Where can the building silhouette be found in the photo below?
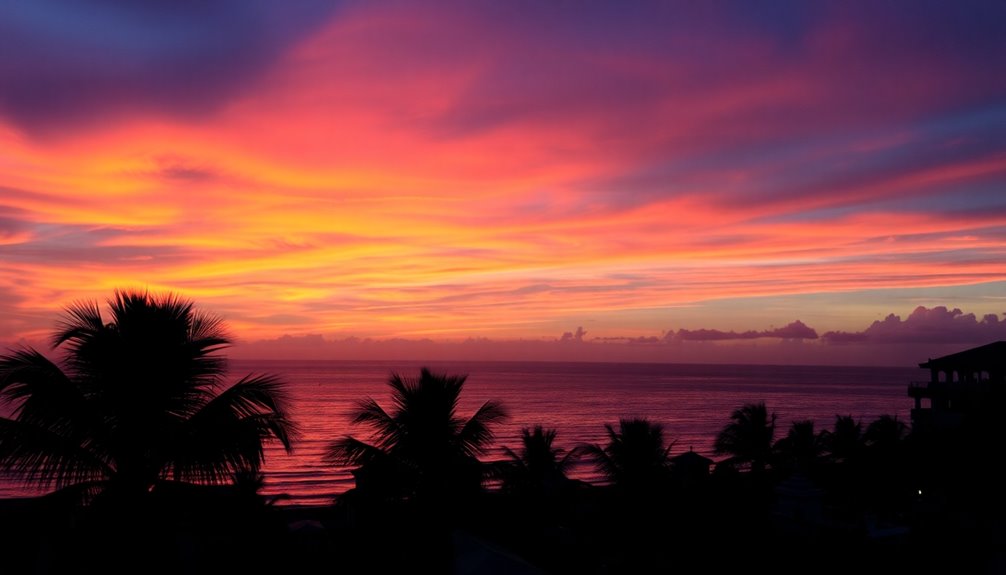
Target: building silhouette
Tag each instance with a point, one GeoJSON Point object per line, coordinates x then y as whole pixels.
{"type": "Point", "coordinates": [961, 386]}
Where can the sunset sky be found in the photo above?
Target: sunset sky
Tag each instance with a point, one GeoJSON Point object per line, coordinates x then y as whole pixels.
{"type": "Point", "coordinates": [647, 172]}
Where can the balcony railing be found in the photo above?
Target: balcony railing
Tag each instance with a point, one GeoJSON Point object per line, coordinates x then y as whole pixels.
{"type": "Point", "coordinates": [927, 388]}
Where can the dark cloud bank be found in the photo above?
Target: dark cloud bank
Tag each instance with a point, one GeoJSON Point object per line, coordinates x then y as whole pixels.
{"type": "Point", "coordinates": [893, 341]}
{"type": "Point", "coordinates": [936, 325]}
{"type": "Point", "coordinates": [64, 62]}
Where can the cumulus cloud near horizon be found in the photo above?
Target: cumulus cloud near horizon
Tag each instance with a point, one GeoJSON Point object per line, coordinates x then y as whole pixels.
{"type": "Point", "coordinates": [936, 325]}
{"type": "Point", "coordinates": [927, 325]}
{"type": "Point", "coordinates": [576, 336]}
{"type": "Point", "coordinates": [937, 328]}
{"type": "Point", "coordinates": [893, 341]}
{"type": "Point", "coordinates": [793, 330]}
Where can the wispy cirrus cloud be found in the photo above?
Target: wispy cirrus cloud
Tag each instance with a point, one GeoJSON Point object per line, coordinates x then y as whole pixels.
{"type": "Point", "coordinates": [453, 169]}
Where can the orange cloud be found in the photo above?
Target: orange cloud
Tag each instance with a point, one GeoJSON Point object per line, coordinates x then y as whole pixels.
{"type": "Point", "coordinates": [472, 179]}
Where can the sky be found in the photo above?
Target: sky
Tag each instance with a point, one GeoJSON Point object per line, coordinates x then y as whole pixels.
{"type": "Point", "coordinates": [735, 181]}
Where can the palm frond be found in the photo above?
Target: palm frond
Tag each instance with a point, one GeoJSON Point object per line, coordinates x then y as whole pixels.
{"type": "Point", "coordinates": [36, 392]}
{"type": "Point", "coordinates": [206, 337]}
{"type": "Point", "coordinates": [508, 471]}
{"type": "Point", "coordinates": [477, 433]}
{"type": "Point", "coordinates": [570, 458]}
{"type": "Point", "coordinates": [226, 434]}
{"type": "Point", "coordinates": [253, 397]}
{"type": "Point", "coordinates": [539, 466]}
{"type": "Point", "coordinates": [385, 427]}
{"type": "Point", "coordinates": [351, 451]}
{"type": "Point", "coordinates": [26, 371]}
{"type": "Point", "coordinates": [215, 454]}
{"type": "Point", "coordinates": [748, 438]}
{"type": "Point", "coordinates": [602, 461]}
{"type": "Point", "coordinates": [207, 331]}
{"type": "Point", "coordinates": [513, 457]}
{"type": "Point", "coordinates": [43, 458]}
{"type": "Point", "coordinates": [250, 395]}
{"type": "Point", "coordinates": [636, 456]}
{"type": "Point", "coordinates": [130, 307]}
{"type": "Point", "coordinates": [81, 320]}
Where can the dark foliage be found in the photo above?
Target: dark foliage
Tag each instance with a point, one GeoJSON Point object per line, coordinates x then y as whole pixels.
{"type": "Point", "coordinates": [420, 449]}
{"type": "Point", "coordinates": [137, 400]}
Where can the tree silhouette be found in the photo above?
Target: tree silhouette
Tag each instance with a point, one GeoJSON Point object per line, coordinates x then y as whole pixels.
{"type": "Point", "coordinates": [748, 437]}
{"type": "Point", "coordinates": [137, 400]}
{"type": "Point", "coordinates": [421, 449]}
{"type": "Point", "coordinates": [845, 441]}
{"type": "Point", "coordinates": [801, 447]}
{"type": "Point", "coordinates": [636, 458]}
{"type": "Point", "coordinates": [885, 465]}
{"type": "Point", "coordinates": [538, 467]}
{"type": "Point", "coordinates": [885, 434]}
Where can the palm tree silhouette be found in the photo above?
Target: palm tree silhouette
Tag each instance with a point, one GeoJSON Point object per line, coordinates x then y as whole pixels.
{"type": "Point", "coordinates": [748, 437]}
{"type": "Point", "coordinates": [885, 434]}
{"type": "Point", "coordinates": [845, 441]}
{"type": "Point", "coordinates": [135, 401]}
{"type": "Point", "coordinates": [636, 458]}
{"type": "Point", "coordinates": [538, 467]}
{"type": "Point", "coordinates": [421, 449]}
{"type": "Point", "coordinates": [801, 447]}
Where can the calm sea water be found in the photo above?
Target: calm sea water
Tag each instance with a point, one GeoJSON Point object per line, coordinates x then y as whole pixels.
{"type": "Point", "coordinates": [692, 401]}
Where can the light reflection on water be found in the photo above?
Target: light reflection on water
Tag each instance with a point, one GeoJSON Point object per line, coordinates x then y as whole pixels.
{"type": "Point", "coordinates": [692, 401]}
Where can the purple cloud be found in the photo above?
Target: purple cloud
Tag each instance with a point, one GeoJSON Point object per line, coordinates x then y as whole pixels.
{"type": "Point", "coordinates": [924, 325]}
{"type": "Point", "coordinates": [925, 333]}
{"type": "Point", "coordinates": [794, 330]}
{"type": "Point", "coordinates": [181, 170]}
{"type": "Point", "coordinates": [571, 336]}
{"type": "Point", "coordinates": [55, 245]}
{"type": "Point", "coordinates": [65, 62]}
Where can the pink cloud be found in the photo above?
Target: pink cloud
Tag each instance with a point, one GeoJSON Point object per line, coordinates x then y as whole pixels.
{"type": "Point", "coordinates": [450, 170]}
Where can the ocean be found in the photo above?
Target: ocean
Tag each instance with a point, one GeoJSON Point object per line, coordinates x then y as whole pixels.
{"type": "Point", "coordinates": [693, 402]}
